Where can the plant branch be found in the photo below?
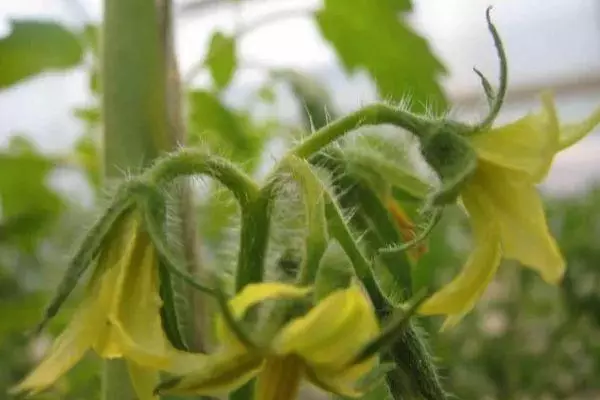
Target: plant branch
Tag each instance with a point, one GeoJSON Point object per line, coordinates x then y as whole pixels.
{"type": "Point", "coordinates": [193, 162]}
{"type": "Point", "coordinates": [375, 114]}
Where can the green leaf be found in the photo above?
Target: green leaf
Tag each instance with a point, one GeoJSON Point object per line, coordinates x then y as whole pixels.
{"type": "Point", "coordinates": [374, 36]}
{"type": "Point", "coordinates": [317, 107]}
{"type": "Point", "coordinates": [27, 204]}
{"type": "Point", "coordinates": [34, 47]}
{"type": "Point", "coordinates": [224, 131]}
{"type": "Point", "coordinates": [221, 59]}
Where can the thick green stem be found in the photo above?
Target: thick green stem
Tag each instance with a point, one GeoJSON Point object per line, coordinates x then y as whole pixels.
{"type": "Point", "coordinates": [135, 114]}
{"type": "Point", "coordinates": [375, 114]}
{"type": "Point", "coordinates": [254, 238]}
{"type": "Point", "coordinates": [193, 162]}
{"type": "Point", "coordinates": [134, 86]}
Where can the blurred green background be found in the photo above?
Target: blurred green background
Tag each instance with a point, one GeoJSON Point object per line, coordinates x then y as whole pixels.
{"type": "Point", "coordinates": [258, 76]}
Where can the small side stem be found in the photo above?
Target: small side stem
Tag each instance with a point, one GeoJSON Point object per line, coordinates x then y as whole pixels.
{"type": "Point", "coordinates": [375, 114]}
{"type": "Point", "coordinates": [193, 162]}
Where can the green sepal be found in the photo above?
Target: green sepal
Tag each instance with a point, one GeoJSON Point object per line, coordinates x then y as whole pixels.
{"type": "Point", "coordinates": [495, 100]}
{"type": "Point", "coordinates": [171, 323]}
{"type": "Point", "coordinates": [88, 251]}
{"type": "Point", "coordinates": [452, 157]}
{"type": "Point", "coordinates": [168, 311]}
{"type": "Point", "coordinates": [392, 329]}
{"type": "Point", "coordinates": [490, 95]}
{"type": "Point", "coordinates": [434, 219]}
{"type": "Point", "coordinates": [382, 174]}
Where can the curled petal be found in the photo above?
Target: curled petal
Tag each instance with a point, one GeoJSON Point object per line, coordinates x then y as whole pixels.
{"type": "Point", "coordinates": [135, 316]}
{"type": "Point", "coordinates": [527, 145]}
{"type": "Point", "coordinates": [513, 201]}
{"type": "Point", "coordinates": [344, 385]}
{"type": "Point", "coordinates": [572, 133]}
{"type": "Point", "coordinates": [459, 296]}
{"type": "Point", "coordinates": [183, 363]}
{"type": "Point", "coordinates": [322, 338]}
{"type": "Point", "coordinates": [66, 350]}
{"type": "Point", "coordinates": [217, 374]}
{"type": "Point", "coordinates": [251, 295]}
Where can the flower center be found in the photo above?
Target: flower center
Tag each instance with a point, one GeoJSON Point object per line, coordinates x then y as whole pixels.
{"type": "Point", "coordinates": [280, 378]}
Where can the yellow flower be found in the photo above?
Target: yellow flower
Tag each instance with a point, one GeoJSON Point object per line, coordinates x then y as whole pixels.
{"type": "Point", "coordinates": [118, 318]}
{"type": "Point", "coordinates": [319, 346]}
{"type": "Point", "coordinates": [505, 209]}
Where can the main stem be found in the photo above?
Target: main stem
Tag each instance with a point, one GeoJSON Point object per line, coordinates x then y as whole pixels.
{"type": "Point", "coordinates": [134, 112]}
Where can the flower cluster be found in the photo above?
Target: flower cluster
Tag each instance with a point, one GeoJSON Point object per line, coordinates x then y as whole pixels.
{"type": "Point", "coordinates": [333, 341]}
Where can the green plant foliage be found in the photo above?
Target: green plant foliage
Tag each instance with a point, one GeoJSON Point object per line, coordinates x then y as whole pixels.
{"type": "Point", "coordinates": [524, 340]}
{"type": "Point", "coordinates": [27, 203]}
{"type": "Point", "coordinates": [221, 59]}
{"type": "Point", "coordinates": [374, 36]}
{"type": "Point", "coordinates": [34, 47]}
{"type": "Point", "coordinates": [223, 130]}
{"type": "Point", "coordinates": [316, 105]}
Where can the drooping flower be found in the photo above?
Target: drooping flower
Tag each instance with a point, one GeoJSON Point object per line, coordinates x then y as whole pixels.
{"type": "Point", "coordinates": [504, 207]}
{"type": "Point", "coordinates": [319, 346]}
{"type": "Point", "coordinates": [119, 317]}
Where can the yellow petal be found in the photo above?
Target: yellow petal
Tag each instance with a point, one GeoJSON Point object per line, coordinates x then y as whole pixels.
{"type": "Point", "coordinates": [280, 378]}
{"type": "Point", "coordinates": [251, 295]}
{"type": "Point", "coordinates": [459, 296]}
{"type": "Point", "coordinates": [143, 380]}
{"type": "Point", "coordinates": [344, 382]}
{"type": "Point", "coordinates": [337, 384]}
{"type": "Point", "coordinates": [183, 363]}
{"type": "Point", "coordinates": [322, 336]}
{"type": "Point", "coordinates": [572, 133]}
{"type": "Point", "coordinates": [518, 210]}
{"type": "Point", "coordinates": [135, 317]}
{"type": "Point", "coordinates": [528, 144]}
{"type": "Point", "coordinates": [107, 285]}
{"type": "Point", "coordinates": [67, 349]}
{"type": "Point", "coordinates": [218, 374]}
{"type": "Point", "coordinates": [104, 290]}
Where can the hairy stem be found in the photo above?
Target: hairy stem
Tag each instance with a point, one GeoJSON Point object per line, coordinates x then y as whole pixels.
{"type": "Point", "coordinates": [194, 162]}
{"type": "Point", "coordinates": [375, 114]}
{"type": "Point", "coordinates": [254, 238]}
